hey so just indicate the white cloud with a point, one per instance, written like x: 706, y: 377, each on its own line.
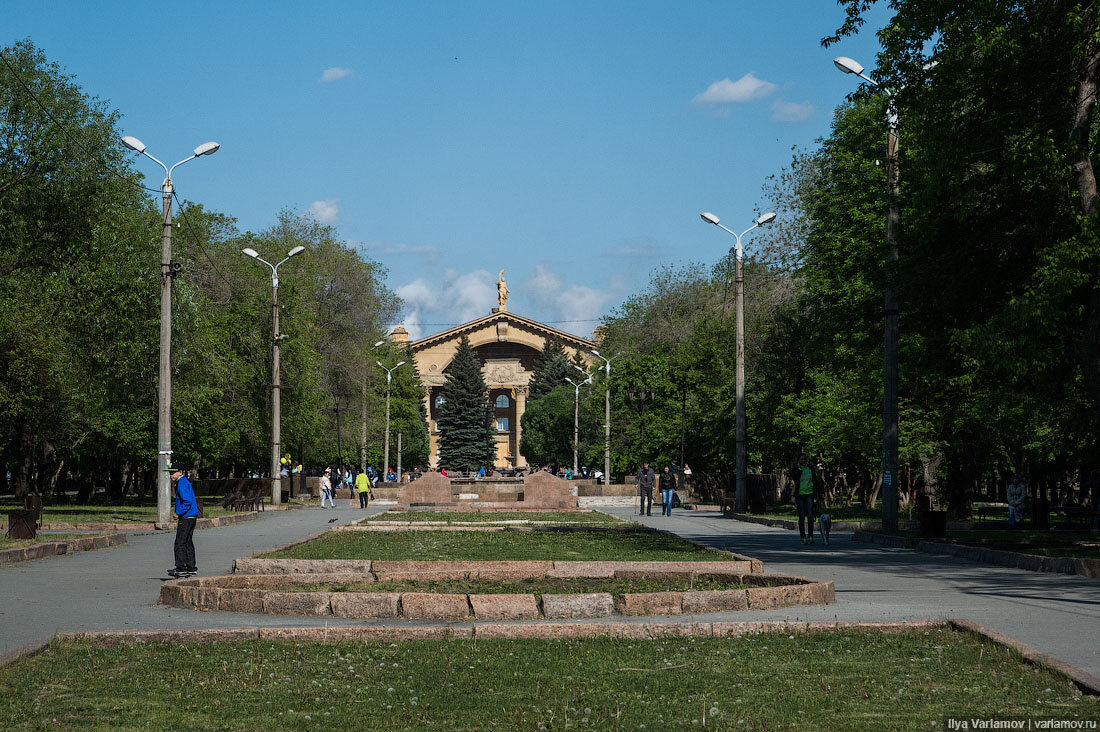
x: 334, y: 74
x: 462, y: 297
x: 567, y: 302
x: 783, y: 111
x: 746, y: 89
x: 324, y: 211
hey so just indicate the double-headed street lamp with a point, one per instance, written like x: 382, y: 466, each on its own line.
x: 363, y: 423
x: 576, y: 409
x: 389, y: 379
x: 167, y: 271
x: 276, y: 493
x: 890, y: 308
x: 742, y: 494
x: 607, y: 417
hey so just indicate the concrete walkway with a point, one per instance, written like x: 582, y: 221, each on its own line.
x: 1055, y: 613
x: 117, y: 589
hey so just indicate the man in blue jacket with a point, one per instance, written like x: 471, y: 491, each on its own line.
x: 187, y: 512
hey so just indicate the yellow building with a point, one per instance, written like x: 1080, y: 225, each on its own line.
x: 507, y: 346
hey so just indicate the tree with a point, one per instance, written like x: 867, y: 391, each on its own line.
x: 548, y: 428
x: 465, y: 436
x: 551, y: 369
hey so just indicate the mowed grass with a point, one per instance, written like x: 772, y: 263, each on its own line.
x: 528, y: 585
x: 450, y: 517
x: 828, y: 681
x: 1050, y: 543
x: 131, y: 511
x: 630, y: 543
x: 9, y: 543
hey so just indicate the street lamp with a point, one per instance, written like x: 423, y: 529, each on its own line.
x: 742, y: 493
x: 890, y: 307
x: 276, y: 493
x: 389, y: 378
x: 363, y: 414
x: 606, y: 417
x: 167, y: 271
x: 576, y: 410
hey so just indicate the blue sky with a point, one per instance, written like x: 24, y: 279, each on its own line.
x: 571, y: 143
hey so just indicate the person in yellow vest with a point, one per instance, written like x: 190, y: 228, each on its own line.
x: 362, y: 487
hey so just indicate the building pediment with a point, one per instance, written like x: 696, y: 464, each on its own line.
x: 503, y: 326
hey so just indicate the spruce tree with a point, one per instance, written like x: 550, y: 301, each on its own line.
x: 465, y: 436
x: 551, y: 370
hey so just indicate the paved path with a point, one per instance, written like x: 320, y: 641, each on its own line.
x: 1055, y: 613
x: 117, y: 588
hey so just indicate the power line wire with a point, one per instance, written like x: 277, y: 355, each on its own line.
x: 198, y: 241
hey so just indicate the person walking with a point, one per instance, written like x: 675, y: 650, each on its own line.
x: 645, y: 480
x: 668, y: 489
x: 1017, y: 497
x: 187, y: 513
x: 326, y: 489
x: 362, y: 487
x: 805, y: 480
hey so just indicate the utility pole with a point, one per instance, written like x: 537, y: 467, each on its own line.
x: 276, y: 387
x: 607, y: 418
x: 386, y: 449
x: 168, y: 270
x: 890, y: 308
x: 576, y: 411
x: 164, y: 385
x: 276, y: 403
x: 398, y: 457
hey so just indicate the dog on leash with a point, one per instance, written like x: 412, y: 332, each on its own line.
x: 825, y: 522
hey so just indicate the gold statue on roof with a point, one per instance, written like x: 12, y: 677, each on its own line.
x: 502, y: 293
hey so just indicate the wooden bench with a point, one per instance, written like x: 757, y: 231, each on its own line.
x: 986, y: 511
x: 1083, y: 515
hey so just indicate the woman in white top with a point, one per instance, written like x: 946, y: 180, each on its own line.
x: 326, y: 489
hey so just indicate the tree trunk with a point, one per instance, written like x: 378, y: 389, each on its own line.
x: 1088, y: 84
x: 26, y: 461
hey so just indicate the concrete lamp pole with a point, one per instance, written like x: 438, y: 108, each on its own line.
x: 576, y: 412
x: 607, y: 417
x: 389, y: 380
x: 168, y: 270
x: 363, y: 415
x: 890, y: 307
x: 742, y: 494
x: 276, y: 339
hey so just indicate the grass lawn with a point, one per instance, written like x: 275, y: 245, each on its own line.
x: 629, y: 543
x: 131, y: 511
x: 840, y: 513
x: 6, y: 543
x: 536, y: 585
x: 841, y: 681
x: 450, y: 517
x: 1057, y: 543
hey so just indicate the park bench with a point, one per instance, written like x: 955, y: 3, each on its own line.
x: 1082, y: 515
x: 986, y: 511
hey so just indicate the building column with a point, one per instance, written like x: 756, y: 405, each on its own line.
x: 521, y: 405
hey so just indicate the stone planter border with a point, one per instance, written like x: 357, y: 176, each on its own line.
x: 203, y: 523
x: 549, y: 630
x: 55, y: 548
x: 257, y: 593
x: 999, y: 557
x: 840, y: 525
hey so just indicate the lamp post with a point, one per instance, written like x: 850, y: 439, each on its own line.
x: 742, y: 494
x: 890, y: 307
x: 606, y: 417
x: 168, y: 270
x: 276, y: 338
x: 338, y: 400
x: 576, y: 412
x: 389, y: 379
x: 363, y: 423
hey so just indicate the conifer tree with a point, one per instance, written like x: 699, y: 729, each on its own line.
x: 551, y: 369
x: 465, y: 436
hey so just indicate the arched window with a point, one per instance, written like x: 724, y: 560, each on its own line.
x: 502, y: 401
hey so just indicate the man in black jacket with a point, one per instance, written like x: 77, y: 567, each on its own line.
x: 645, y: 480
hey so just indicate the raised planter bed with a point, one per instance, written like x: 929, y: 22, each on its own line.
x: 267, y: 593
x: 55, y: 548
